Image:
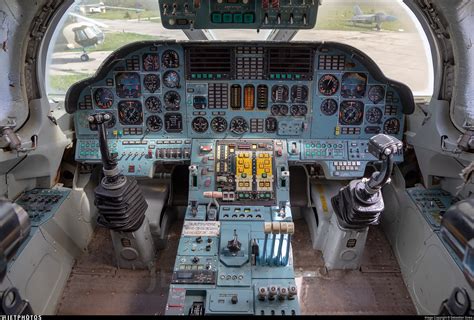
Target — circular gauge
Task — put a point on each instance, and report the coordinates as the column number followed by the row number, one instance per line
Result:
column 329, row 107
column 151, row 82
column 299, row 93
column 298, row 110
column 353, row 85
column 219, row 124
column 280, row 93
column 391, row 126
column 151, row 62
column 283, row 109
column 170, row 59
column 172, row 100
column 130, row 112
column 153, row 104
column 171, row 79
column 351, row 112
column 373, row 115
column 376, row 93
column 103, row 98
column 239, row 125
column 275, row 110
column 328, row 85
column 154, row 123
column 200, row 124
column 109, row 124
column 271, row 124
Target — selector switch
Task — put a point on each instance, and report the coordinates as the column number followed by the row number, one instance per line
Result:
column 292, row 292
column 262, row 293
column 272, row 292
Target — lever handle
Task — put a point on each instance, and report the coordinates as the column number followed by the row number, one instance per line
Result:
column 100, row 120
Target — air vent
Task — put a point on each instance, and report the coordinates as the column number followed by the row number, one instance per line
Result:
column 290, row 63
column 204, row 63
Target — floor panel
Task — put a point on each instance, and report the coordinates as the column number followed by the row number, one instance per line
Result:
column 97, row 287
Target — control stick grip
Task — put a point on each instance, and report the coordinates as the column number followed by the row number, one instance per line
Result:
column 100, row 119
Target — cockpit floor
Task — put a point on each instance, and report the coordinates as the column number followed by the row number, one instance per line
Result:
column 95, row 286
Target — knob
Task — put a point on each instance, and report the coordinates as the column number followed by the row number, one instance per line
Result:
column 292, row 292
column 199, row 239
column 234, row 299
column 272, row 292
column 262, row 293
column 283, row 293
column 195, row 259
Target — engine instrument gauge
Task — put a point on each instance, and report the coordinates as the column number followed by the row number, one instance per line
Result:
column 171, row 79
column 353, row 85
column 279, row 110
column 373, row 115
column 151, row 62
column 351, row 113
column 239, row 125
column 298, row 110
column 153, row 104
column 328, row 84
column 280, row 93
column 376, row 93
column 391, row 126
column 172, row 100
column 299, row 93
column 154, row 123
column 151, row 82
column 271, row 124
column 329, row 107
column 170, row 59
column 200, row 124
column 103, row 98
column 219, row 124
column 130, row 112
column 127, row 85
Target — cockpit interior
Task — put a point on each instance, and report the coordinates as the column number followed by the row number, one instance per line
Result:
column 237, row 157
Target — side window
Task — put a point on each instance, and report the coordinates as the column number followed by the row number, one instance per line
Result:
column 91, row 30
column 386, row 30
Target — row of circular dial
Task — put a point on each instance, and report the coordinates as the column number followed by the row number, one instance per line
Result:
column 328, row 85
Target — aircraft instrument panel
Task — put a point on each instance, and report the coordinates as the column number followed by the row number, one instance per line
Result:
column 323, row 100
column 239, row 114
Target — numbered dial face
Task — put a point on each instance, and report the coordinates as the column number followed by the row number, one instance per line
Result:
column 170, row 59
column 299, row 93
column 391, row 126
column 239, row 125
column 280, row 93
column 154, row 123
column 153, row 104
column 279, row 110
column 328, row 85
column 329, row 107
column 351, row 112
column 376, row 93
column 171, row 79
column 151, row 82
column 219, row 124
column 373, row 115
column 109, row 124
column 298, row 110
column 151, row 62
column 200, row 124
column 172, row 100
column 130, row 112
column 103, row 98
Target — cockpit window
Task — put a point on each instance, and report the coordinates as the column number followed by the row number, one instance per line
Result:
column 386, row 30
column 91, row 30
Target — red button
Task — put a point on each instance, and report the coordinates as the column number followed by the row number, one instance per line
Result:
column 131, row 168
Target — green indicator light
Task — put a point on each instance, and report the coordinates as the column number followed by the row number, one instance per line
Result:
column 272, row 76
column 249, row 18
column 219, row 76
column 199, row 76
column 278, row 76
column 227, row 18
column 209, row 76
column 193, row 76
column 216, row 18
column 297, row 76
column 238, row 18
column 308, row 153
column 289, row 76
column 283, row 76
column 307, row 145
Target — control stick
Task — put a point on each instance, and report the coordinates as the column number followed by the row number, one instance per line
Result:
column 360, row 203
column 119, row 200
